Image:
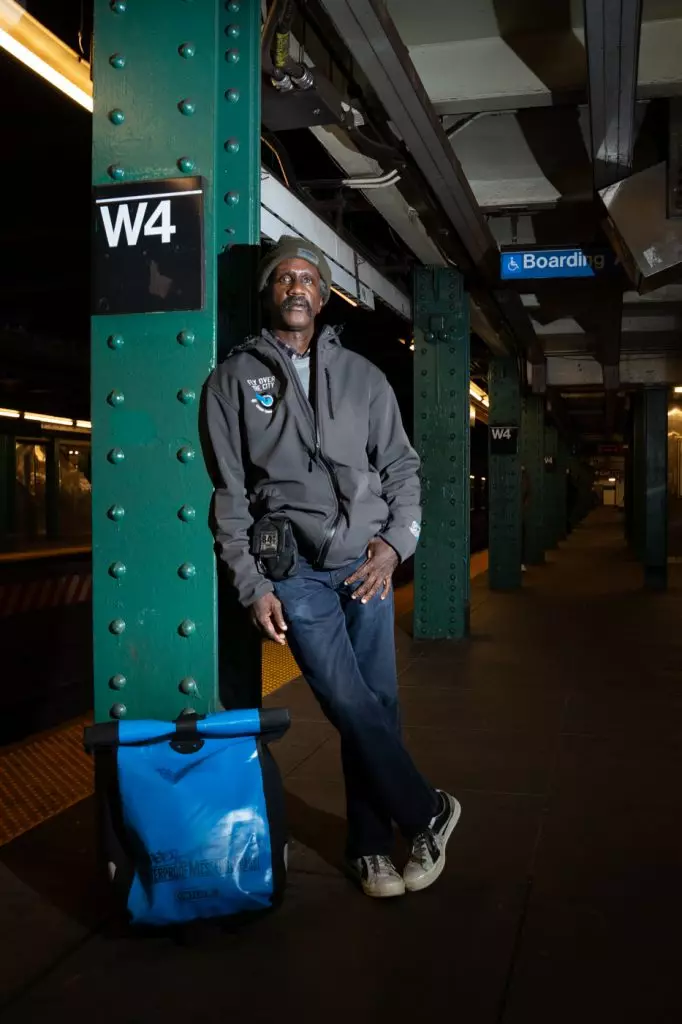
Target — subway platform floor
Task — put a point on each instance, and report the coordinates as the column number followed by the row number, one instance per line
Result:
column 558, row 725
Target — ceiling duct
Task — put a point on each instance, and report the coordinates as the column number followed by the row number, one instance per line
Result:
column 647, row 241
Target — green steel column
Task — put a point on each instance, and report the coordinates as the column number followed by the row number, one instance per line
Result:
column 562, row 490
column 639, row 477
column 573, row 472
column 441, row 433
column 655, row 401
column 552, row 491
column 177, row 92
column 628, row 477
column 586, row 479
column 52, row 486
column 533, row 449
column 504, row 479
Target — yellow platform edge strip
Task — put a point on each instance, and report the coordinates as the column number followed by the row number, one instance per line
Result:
column 49, row 773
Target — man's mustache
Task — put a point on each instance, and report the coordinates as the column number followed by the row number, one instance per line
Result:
column 296, row 303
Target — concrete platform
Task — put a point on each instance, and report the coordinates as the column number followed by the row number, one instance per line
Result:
column 559, row 727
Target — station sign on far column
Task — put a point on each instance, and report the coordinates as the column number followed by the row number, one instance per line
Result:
column 504, row 440
column 528, row 264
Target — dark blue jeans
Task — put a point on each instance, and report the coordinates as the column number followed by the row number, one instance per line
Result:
column 346, row 651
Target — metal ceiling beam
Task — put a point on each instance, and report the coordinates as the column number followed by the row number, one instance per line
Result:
column 675, row 158
column 612, row 35
column 517, row 316
column 371, row 37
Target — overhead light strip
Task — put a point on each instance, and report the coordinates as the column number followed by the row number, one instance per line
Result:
column 26, row 39
column 39, row 417
column 46, row 419
column 342, row 295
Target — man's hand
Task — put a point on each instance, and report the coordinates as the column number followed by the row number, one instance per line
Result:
column 267, row 615
column 376, row 571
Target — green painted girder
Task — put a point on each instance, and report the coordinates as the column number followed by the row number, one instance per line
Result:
column 177, row 92
column 533, row 448
column 441, row 435
column 639, row 476
column 655, row 402
column 552, row 489
column 504, row 480
column 562, row 484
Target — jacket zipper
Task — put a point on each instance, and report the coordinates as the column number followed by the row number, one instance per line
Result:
column 318, row 457
column 332, row 528
column 330, row 406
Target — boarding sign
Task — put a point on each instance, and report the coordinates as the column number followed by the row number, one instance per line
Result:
column 528, row 264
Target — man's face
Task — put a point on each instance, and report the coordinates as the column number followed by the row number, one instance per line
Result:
column 295, row 295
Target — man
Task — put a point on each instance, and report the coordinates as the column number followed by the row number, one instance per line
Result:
column 308, row 433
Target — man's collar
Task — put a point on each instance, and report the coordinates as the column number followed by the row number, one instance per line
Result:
column 327, row 334
column 292, row 352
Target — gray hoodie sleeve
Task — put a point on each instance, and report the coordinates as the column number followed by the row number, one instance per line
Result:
column 233, row 518
column 391, row 454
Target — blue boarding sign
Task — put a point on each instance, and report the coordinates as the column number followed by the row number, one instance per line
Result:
column 525, row 264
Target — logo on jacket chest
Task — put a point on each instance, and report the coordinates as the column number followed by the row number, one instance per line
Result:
column 262, row 388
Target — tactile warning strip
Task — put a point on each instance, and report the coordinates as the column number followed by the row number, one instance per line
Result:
column 278, row 667
column 41, row 777
column 47, row 774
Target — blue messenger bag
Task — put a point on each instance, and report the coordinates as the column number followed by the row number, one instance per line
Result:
column 194, row 821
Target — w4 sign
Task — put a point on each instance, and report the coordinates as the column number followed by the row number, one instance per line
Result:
column 503, row 440
column 118, row 221
column 148, row 250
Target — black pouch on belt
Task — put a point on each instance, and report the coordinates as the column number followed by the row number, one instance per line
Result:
column 274, row 547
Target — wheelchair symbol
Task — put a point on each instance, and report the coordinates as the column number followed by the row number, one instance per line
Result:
column 513, row 264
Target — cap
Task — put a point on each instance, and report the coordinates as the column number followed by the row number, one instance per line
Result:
column 291, row 248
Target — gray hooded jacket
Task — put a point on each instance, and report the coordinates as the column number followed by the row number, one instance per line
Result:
column 340, row 467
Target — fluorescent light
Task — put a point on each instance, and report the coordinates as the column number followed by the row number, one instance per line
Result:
column 51, row 74
column 612, row 479
column 341, row 295
column 678, row 390
column 44, row 417
column 40, row 417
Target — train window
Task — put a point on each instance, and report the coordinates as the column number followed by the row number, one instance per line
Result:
column 30, row 489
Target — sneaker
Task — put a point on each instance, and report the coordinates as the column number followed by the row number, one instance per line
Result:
column 523, row 568
column 377, row 876
column 427, row 857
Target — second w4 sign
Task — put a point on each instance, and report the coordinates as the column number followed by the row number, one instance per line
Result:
column 503, row 440
column 148, row 251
